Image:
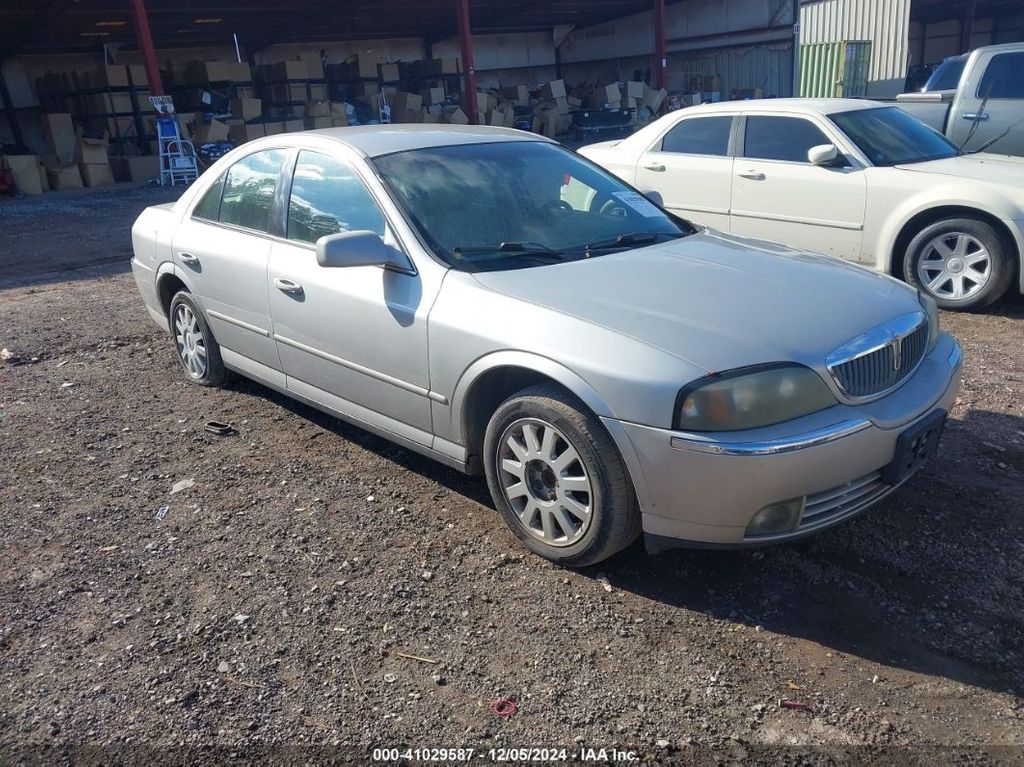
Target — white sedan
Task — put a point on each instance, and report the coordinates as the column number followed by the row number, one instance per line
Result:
column 858, row 180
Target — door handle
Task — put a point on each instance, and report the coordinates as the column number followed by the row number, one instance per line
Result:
column 976, row 116
column 656, row 167
column 188, row 258
column 287, row 286
column 753, row 175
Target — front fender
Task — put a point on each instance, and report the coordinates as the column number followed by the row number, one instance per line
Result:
column 528, row 361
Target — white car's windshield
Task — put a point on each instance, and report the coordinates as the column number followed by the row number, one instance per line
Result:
column 890, row 136
column 519, row 204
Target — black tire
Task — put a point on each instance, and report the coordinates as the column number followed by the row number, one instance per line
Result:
column 213, row 373
column 1001, row 266
column 614, row 521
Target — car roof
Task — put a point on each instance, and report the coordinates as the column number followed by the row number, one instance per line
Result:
column 803, row 106
column 378, row 140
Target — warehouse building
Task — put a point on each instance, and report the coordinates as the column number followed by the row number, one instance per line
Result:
column 243, row 68
column 871, row 47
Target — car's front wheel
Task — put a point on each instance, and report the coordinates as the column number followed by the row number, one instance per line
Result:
column 557, row 478
column 960, row 262
column 197, row 349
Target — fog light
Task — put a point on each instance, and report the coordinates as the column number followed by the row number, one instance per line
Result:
column 777, row 518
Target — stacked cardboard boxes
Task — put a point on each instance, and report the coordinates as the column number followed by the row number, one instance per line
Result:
column 93, row 162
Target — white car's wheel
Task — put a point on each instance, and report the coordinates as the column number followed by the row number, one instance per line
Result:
column 557, row 478
column 197, row 349
column 960, row 262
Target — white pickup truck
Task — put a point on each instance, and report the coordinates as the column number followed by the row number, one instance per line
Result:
column 976, row 99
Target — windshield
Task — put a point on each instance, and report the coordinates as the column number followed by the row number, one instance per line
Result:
column 519, row 204
column 890, row 136
column 947, row 76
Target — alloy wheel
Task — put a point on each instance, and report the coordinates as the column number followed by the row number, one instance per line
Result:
column 954, row 265
column 545, row 482
column 190, row 340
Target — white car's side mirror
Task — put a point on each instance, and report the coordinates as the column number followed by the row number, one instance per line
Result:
column 360, row 248
column 824, row 154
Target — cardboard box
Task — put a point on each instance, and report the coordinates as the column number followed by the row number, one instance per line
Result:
column 433, row 114
column 317, row 91
column 444, row 66
column 60, row 135
column 246, row 109
column 215, row 131
column 520, row 94
column 273, row 128
column 402, row 103
column 114, row 76
column 64, row 177
column 135, row 169
column 25, row 168
column 217, row 71
column 314, row 65
column 635, row 90
column 432, row 96
column 456, row 117
column 138, row 75
column 246, row 132
column 389, row 73
column 291, row 70
column 363, row 66
column 291, row 126
column 239, row 71
column 186, row 121
column 562, row 106
column 91, row 150
column 96, row 174
column 612, row 94
column 318, row 109
column 320, row 121
column 553, row 90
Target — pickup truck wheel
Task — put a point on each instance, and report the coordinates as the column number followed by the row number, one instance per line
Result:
column 960, row 262
column 557, row 478
column 197, row 349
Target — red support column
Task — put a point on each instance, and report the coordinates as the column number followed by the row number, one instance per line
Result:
column 146, row 47
column 468, row 69
column 660, row 59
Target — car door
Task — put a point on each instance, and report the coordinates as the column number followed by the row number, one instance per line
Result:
column 223, row 247
column 355, row 338
column 991, row 101
column 691, row 168
column 778, row 195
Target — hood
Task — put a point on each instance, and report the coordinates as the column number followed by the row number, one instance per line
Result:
column 717, row 301
column 996, row 168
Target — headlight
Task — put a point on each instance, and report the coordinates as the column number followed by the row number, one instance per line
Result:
column 932, row 310
column 751, row 397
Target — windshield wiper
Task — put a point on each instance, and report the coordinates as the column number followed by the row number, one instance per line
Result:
column 524, row 248
column 631, row 240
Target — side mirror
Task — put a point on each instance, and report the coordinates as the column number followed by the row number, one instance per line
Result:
column 823, row 155
column 358, row 249
column 655, row 197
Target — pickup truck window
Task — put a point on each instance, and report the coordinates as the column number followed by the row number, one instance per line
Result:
column 947, row 76
column 1004, row 77
column 781, row 138
column 889, row 136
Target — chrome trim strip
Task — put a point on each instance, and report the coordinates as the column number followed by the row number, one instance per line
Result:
column 245, row 325
column 814, row 438
column 799, row 220
column 955, row 356
column 376, row 374
column 698, row 209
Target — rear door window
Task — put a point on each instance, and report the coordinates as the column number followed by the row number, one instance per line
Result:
column 249, row 190
column 786, row 139
column 1004, row 77
column 699, row 135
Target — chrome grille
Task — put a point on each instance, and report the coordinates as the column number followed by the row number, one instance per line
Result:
column 885, row 365
column 843, row 501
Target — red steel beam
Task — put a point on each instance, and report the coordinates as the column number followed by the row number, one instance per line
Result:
column 660, row 57
column 468, row 68
column 141, row 18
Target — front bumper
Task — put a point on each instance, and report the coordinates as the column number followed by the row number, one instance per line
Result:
column 704, row 490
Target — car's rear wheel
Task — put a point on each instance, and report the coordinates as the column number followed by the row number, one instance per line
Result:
column 557, row 478
column 197, row 349
column 961, row 262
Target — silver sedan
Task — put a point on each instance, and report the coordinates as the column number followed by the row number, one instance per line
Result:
column 492, row 300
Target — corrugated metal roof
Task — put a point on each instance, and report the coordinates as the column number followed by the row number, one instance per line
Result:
column 884, row 22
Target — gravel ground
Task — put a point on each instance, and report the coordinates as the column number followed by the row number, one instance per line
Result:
column 277, row 597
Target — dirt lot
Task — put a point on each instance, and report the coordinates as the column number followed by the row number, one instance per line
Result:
column 275, row 600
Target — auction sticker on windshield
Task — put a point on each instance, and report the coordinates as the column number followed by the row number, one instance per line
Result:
column 639, row 203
